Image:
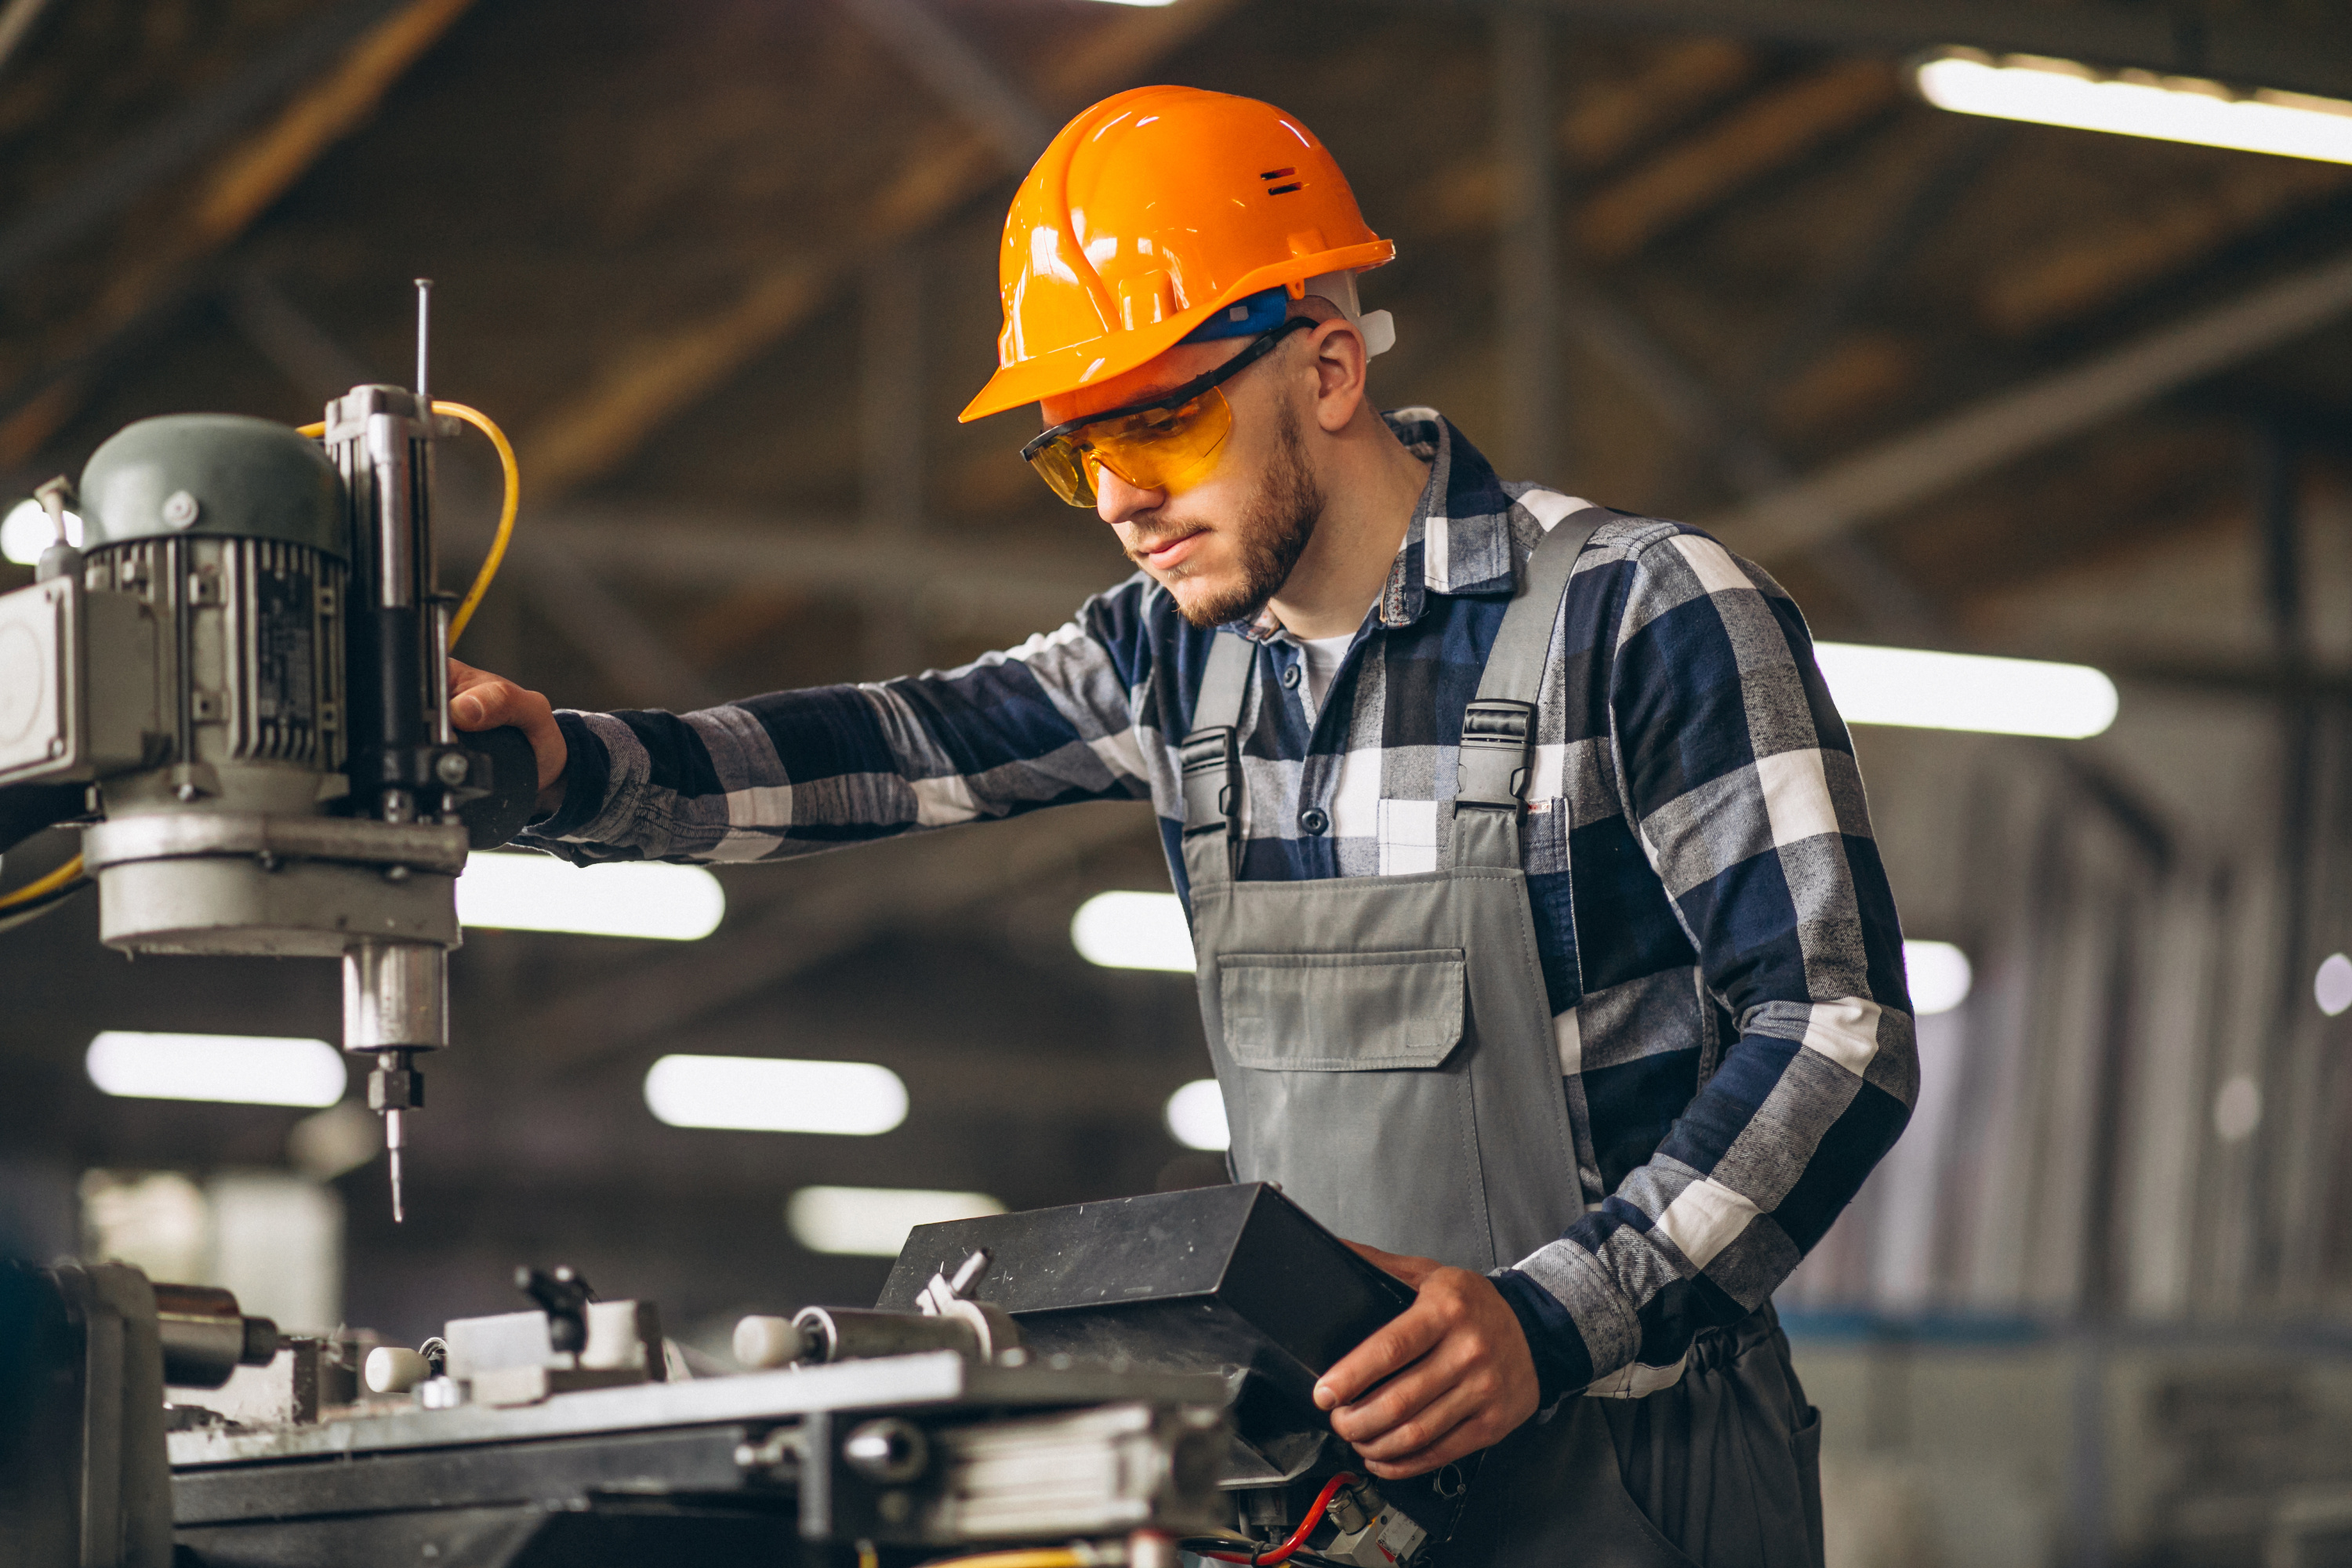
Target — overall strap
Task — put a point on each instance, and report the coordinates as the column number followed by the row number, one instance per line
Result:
column 1499, row 724
column 1210, row 757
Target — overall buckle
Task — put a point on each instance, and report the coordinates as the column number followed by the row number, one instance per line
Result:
column 1492, row 772
column 1211, row 760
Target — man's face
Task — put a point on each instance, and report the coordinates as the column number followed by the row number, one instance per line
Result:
column 1224, row 545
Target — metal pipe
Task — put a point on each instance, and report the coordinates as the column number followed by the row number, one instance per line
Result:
column 395, row 997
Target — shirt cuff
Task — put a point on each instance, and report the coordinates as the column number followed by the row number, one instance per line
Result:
column 1563, row 1364
column 587, row 778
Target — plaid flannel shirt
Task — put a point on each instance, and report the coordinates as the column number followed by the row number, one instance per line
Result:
column 1721, row 950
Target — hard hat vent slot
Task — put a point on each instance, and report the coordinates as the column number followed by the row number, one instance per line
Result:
column 1270, row 175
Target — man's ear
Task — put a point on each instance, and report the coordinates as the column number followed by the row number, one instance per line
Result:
column 1340, row 362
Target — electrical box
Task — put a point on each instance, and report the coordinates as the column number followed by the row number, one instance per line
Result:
column 78, row 682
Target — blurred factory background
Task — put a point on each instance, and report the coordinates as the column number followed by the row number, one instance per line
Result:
column 725, row 268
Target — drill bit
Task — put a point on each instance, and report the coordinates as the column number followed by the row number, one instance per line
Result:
column 393, row 1136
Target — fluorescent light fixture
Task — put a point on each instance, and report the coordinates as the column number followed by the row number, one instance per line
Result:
column 766, row 1094
column 521, row 891
column 1196, row 1116
column 24, row 532
column 873, row 1222
column 1133, row 930
column 2331, row 986
column 1939, row 973
column 1924, row 690
column 237, row 1070
column 2138, row 103
column 1142, row 1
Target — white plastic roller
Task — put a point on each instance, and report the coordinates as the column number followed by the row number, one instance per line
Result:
column 392, row 1369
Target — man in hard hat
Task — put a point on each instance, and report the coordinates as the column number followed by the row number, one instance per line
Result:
column 1543, row 946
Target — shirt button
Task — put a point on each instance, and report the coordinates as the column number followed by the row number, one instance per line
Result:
column 1313, row 820
column 1290, row 678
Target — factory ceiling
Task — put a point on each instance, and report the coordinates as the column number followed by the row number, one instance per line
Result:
column 725, row 268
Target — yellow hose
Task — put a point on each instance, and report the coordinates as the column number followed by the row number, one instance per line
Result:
column 513, row 474
column 507, row 466
column 42, row 887
column 1038, row 1557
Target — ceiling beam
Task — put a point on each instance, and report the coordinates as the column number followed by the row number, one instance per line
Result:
column 2236, row 48
column 1850, row 492
column 93, row 196
column 1770, row 131
column 16, row 19
column 598, row 431
column 243, row 183
column 2071, row 276
column 951, row 65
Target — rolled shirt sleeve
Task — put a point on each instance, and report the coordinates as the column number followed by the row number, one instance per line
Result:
column 1046, row 723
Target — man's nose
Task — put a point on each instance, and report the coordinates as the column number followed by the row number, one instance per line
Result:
column 1118, row 501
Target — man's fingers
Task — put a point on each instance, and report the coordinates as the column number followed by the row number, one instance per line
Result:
column 480, row 701
column 1412, row 1270
column 1427, row 1426
column 1478, row 1432
column 1398, row 1344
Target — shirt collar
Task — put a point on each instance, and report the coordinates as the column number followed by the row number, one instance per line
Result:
column 1460, row 541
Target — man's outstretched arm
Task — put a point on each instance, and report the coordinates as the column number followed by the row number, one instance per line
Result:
column 1048, row 722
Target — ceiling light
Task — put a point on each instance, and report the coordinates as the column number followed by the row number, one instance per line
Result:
column 2236, row 1109
column 26, row 531
column 2138, row 103
column 1196, row 1116
column 2331, row 986
column 764, row 1094
column 873, row 1222
column 522, row 892
column 240, row 1069
column 1939, row 974
column 1925, row 691
column 1133, row 930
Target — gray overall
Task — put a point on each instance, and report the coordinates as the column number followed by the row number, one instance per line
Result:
column 1384, row 1045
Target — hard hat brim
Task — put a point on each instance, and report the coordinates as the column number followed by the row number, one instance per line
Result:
column 1102, row 359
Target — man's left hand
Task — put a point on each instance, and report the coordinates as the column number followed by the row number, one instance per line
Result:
column 1450, row 1375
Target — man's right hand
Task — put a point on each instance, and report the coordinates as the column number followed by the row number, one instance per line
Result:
column 480, row 701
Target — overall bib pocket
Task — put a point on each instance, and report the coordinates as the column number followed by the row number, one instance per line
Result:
column 1360, row 1058
column 1342, row 1012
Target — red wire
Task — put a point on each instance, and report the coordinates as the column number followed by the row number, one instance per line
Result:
column 1298, row 1537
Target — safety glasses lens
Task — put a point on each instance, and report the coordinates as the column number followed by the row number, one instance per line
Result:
column 1157, row 449
column 1063, row 466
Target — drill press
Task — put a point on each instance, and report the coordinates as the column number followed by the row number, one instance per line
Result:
column 243, row 667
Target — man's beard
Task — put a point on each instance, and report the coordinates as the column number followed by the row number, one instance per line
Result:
column 1269, row 538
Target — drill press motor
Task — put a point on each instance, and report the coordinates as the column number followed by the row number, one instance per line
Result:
column 238, row 683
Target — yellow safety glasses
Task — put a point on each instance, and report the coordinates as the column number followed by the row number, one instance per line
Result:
column 1166, row 444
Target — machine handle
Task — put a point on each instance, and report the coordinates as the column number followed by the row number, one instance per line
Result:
column 504, row 754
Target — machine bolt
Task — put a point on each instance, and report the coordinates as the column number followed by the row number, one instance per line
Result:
column 887, row 1450
column 180, row 509
column 396, row 873
column 452, row 768
column 395, row 1089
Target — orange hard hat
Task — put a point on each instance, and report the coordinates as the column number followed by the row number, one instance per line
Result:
column 1149, row 213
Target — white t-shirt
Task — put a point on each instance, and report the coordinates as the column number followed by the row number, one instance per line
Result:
column 1323, row 657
